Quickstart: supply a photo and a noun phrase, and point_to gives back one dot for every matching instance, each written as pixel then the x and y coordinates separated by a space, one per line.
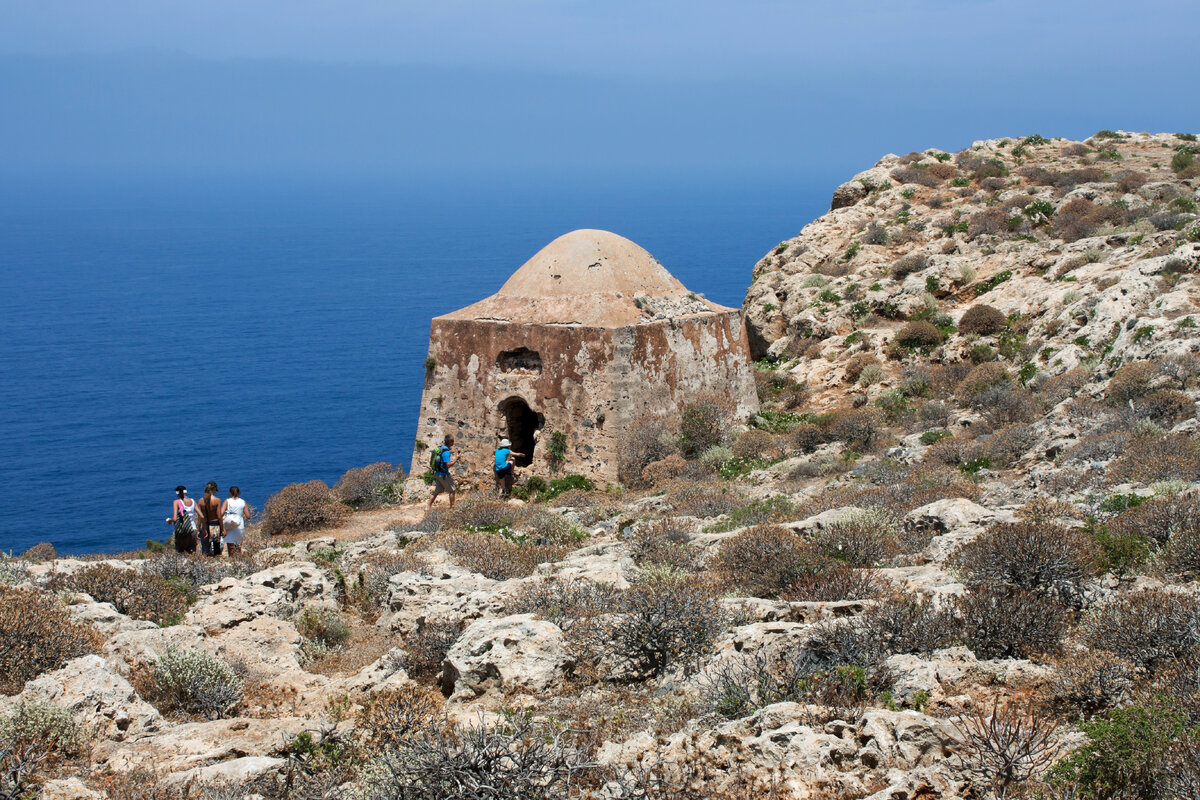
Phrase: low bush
pixel 866 538
pixel 372 486
pixel 921 177
pixel 980 379
pixel 1006 404
pixel 37 635
pixel 425 649
pixel 755 444
pixel 761 561
pixel 302 507
pixel 835 584
pixel 857 363
pixel 1165 407
pixel 704 500
pixel 496 557
pixel 1009 444
pixel 909 264
pixel 1158 519
pixel 392 716
pixel 44 726
pixel 1130 382
pixel 481 513
pixel 704 423
pixel 806 437
pixel 1151 628
pixel 983 320
pixel 195 682
pixel 135 593
pixel 665 543
pixel 1085 684
pixel 1058 388
pixel 1182 553
pixel 647 439
pixel 324 626
pixel 1148 459
pixel 191 571
pixel 1007 746
pixel 1001 621
pixel 1029 556
pixel 898 624
pixel 918 334
pixel 516 758
pixel 1124 756
pixel 660 473
pixel 1079 218
pixel 857 428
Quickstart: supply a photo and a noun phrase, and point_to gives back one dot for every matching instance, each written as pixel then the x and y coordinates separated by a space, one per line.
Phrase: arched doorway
pixel 520 421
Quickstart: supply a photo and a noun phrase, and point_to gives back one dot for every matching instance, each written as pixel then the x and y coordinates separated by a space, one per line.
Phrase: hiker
pixel 233 520
pixel 504 471
pixel 210 515
pixel 440 462
pixel 183 517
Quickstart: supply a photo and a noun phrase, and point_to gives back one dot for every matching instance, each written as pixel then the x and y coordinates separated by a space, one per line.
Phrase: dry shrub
pixel 496 557
pixel 858 428
pixel 1096 448
pixel 762 560
pixel 42 551
pixel 1006 404
pixel 919 176
pixel 1007 746
pixel 857 363
pixel 666 543
pixel 942 170
pixel 980 379
pixel 781 388
pixel 1079 218
pixel 954 451
pixel 302 507
pixel 192 570
pixel 983 320
pixel 1157 458
pixel 1130 382
pixel 647 439
pixel 1165 407
pixel 1002 621
pixel 920 485
pixel 659 473
pixel 480 513
pixel 1009 444
pixel 1159 519
pixel 1151 629
pixel 37 635
pixel 132 592
pixel 897 624
pixel 1054 390
pixel 909 265
pixel 391 716
pixel 918 334
pixel 1030 556
pixel 1131 182
pixel 1044 511
pixel 806 437
pixel 1088 683
pixel 864 539
pixel 755 444
pixel 834 585
pixel 373 486
pixel 426 648
pixel 989 222
pixel 703 500
pixel 1182 554
pixel 1180 368
pixel 704 423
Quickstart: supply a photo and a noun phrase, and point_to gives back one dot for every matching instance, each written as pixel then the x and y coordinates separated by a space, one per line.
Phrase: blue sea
pixel 263 332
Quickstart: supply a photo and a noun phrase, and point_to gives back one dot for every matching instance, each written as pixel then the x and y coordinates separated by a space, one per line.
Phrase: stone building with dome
pixel 586 338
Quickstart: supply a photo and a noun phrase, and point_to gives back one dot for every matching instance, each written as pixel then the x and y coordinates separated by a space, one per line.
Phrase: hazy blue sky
pixel 791 88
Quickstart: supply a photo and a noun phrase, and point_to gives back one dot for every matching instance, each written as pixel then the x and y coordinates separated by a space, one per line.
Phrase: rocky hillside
pixel 954 556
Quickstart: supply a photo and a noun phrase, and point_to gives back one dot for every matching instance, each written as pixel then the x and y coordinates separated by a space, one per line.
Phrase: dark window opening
pixel 520 360
pixel 521 422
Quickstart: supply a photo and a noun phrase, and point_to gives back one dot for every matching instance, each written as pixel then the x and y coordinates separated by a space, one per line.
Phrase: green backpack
pixel 435 458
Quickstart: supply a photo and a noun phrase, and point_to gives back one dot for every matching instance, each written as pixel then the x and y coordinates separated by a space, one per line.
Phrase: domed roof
pixel 591 262
pixel 588 278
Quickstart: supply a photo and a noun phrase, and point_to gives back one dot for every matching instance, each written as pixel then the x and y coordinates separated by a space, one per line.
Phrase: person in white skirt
pixel 233 518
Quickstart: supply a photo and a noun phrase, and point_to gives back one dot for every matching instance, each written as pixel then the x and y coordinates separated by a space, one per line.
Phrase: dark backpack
pixel 435 458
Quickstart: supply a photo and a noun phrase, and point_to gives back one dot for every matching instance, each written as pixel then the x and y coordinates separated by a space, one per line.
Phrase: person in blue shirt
pixel 443 481
pixel 503 471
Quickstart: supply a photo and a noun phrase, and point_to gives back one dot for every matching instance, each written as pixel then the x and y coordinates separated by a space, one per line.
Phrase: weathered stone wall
pixel 592 383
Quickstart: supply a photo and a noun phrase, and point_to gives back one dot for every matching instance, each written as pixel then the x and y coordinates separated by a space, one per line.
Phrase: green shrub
pixel 302 507
pixel 992 282
pixel 1125 754
pixel 196 682
pixel 372 486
